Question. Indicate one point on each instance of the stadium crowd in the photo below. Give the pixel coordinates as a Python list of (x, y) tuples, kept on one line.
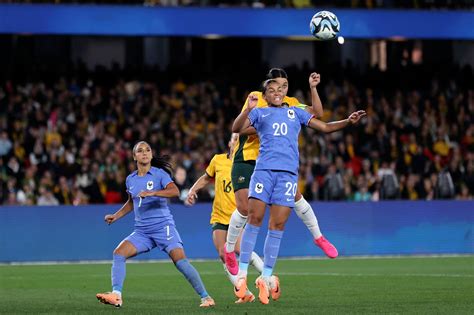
[(365, 4), (67, 141)]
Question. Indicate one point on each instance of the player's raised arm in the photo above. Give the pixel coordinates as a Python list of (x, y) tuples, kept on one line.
[(336, 125), (126, 208), (316, 105), (241, 123), (198, 185)]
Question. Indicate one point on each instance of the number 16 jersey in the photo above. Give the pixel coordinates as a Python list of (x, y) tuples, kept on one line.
[(224, 199), (278, 129)]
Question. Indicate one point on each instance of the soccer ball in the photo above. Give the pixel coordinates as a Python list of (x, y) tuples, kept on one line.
[(324, 25)]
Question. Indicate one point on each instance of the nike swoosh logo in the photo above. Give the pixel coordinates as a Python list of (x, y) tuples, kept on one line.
[(272, 257), (263, 116), (168, 238), (288, 199), (131, 187)]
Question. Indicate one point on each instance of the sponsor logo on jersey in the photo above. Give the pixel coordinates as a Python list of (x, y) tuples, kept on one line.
[(241, 179)]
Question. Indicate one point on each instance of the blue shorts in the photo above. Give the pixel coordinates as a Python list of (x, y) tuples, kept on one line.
[(166, 238), (274, 187)]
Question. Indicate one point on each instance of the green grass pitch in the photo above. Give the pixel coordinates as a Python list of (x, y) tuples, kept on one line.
[(342, 286)]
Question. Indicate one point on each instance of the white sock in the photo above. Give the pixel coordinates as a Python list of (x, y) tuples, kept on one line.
[(306, 214), (232, 278), (237, 222), (118, 293), (257, 262)]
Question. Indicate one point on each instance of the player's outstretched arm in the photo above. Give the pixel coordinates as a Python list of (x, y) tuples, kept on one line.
[(316, 105), (336, 125), (197, 186), (126, 208), (249, 131), (242, 123), (169, 192)]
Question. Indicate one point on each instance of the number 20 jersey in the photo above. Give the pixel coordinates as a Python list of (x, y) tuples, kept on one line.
[(278, 129)]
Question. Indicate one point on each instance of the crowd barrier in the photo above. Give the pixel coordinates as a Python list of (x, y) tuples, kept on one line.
[(68, 233)]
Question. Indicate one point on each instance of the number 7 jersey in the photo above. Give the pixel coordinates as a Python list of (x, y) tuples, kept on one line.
[(278, 129), (224, 199)]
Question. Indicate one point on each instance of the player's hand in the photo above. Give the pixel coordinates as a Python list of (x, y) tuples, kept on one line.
[(144, 194), (110, 218), (252, 101), (356, 116), (314, 79), (191, 198)]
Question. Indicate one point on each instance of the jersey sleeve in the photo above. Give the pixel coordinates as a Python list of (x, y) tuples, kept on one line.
[(164, 179), (127, 186), (211, 169), (303, 116), (253, 117)]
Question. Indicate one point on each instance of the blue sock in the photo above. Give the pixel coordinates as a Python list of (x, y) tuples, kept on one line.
[(247, 245), (191, 274), (270, 250), (118, 272)]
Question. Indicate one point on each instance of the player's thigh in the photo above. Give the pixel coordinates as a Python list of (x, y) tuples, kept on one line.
[(240, 174), (134, 244), (126, 249), (278, 217), (242, 201)]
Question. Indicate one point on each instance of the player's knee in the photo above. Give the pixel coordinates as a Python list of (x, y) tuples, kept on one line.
[(255, 219), (278, 226), (119, 251)]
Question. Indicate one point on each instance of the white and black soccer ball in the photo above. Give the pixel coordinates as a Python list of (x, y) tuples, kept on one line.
[(324, 25)]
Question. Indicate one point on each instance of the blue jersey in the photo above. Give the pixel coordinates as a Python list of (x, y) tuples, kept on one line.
[(278, 129), (149, 211)]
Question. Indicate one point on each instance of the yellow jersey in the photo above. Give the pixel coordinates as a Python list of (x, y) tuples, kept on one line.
[(224, 199), (246, 148)]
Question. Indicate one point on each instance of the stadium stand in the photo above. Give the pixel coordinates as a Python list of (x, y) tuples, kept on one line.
[(67, 140)]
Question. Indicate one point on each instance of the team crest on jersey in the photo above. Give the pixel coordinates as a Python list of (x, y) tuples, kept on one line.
[(149, 185), (241, 179), (258, 188), (291, 114)]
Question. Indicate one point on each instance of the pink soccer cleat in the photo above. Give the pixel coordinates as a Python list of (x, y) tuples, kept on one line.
[(327, 247), (231, 262)]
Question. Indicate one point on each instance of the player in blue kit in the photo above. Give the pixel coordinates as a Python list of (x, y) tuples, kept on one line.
[(274, 181), (148, 187)]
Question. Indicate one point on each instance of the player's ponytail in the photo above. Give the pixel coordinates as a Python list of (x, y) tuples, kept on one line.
[(162, 161), (276, 73)]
